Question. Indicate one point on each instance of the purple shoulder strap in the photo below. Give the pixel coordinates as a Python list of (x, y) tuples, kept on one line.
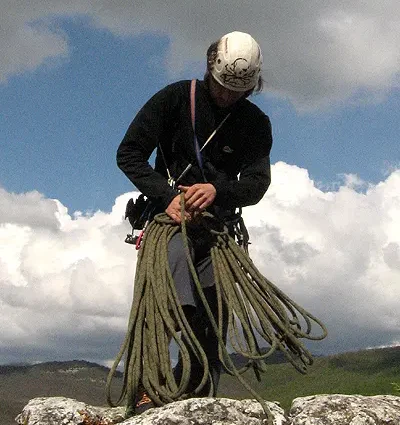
[(193, 118)]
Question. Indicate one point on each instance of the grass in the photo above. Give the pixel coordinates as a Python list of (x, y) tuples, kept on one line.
[(370, 372)]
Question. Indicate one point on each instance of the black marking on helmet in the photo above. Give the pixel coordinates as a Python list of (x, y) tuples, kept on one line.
[(237, 74)]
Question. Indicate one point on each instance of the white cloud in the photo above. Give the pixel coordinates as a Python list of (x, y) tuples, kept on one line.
[(315, 53), (61, 276), (337, 253), (66, 280), (24, 45)]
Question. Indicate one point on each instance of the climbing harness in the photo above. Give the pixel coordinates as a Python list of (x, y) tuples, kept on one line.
[(257, 312), (236, 226)]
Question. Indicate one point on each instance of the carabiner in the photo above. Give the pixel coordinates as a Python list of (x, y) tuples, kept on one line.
[(139, 238)]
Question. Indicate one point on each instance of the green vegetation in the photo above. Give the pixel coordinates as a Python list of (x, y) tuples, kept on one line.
[(369, 372)]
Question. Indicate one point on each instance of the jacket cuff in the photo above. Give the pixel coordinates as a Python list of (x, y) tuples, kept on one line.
[(220, 187), (167, 198)]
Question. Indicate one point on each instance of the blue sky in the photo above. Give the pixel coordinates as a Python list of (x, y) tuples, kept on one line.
[(63, 121), (72, 78)]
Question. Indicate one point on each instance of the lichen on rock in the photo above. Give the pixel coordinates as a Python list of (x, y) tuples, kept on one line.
[(333, 409), (339, 409)]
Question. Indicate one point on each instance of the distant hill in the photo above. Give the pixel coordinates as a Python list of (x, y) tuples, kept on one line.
[(77, 379), (73, 367), (277, 357), (365, 372)]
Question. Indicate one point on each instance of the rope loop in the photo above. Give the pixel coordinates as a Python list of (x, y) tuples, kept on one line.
[(258, 314)]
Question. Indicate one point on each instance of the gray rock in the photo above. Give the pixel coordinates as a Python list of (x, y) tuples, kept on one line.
[(209, 411), (67, 411), (314, 410), (337, 409), (196, 411)]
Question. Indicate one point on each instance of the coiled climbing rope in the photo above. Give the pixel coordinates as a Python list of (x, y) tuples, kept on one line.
[(258, 313)]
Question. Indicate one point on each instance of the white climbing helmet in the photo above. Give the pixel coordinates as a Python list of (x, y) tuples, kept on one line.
[(238, 62)]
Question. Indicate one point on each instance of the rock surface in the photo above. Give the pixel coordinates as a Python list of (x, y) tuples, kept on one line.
[(67, 411), (196, 411), (314, 410), (337, 409), (205, 411)]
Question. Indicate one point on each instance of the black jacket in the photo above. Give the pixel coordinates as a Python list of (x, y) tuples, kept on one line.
[(241, 146)]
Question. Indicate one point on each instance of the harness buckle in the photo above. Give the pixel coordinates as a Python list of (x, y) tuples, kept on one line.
[(171, 182)]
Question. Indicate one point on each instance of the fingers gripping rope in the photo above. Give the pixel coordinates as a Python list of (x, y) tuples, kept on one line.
[(256, 311)]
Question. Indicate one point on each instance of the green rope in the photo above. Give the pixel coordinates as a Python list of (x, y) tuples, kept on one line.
[(256, 310)]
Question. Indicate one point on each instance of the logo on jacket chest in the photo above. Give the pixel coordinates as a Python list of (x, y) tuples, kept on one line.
[(227, 149)]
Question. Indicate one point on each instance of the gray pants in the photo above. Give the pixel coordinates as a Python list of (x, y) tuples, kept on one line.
[(199, 245)]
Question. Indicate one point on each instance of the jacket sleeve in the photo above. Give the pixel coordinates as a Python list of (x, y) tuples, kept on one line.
[(255, 172), (143, 136)]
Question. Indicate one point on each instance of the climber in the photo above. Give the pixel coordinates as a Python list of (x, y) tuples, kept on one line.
[(228, 171)]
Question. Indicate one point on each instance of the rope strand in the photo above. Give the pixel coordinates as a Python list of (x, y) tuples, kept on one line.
[(256, 310)]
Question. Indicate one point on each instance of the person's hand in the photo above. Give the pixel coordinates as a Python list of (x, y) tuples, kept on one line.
[(198, 197), (174, 210)]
